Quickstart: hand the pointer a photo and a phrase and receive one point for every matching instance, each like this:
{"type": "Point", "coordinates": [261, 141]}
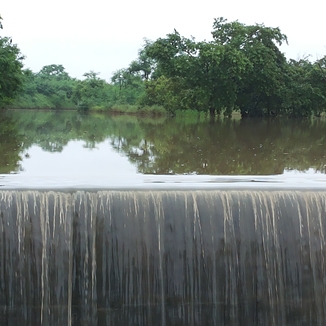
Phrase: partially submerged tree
{"type": "Point", "coordinates": [262, 79]}
{"type": "Point", "coordinates": [241, 68]}
{"type": "Point", "coordinates": [305, 92]}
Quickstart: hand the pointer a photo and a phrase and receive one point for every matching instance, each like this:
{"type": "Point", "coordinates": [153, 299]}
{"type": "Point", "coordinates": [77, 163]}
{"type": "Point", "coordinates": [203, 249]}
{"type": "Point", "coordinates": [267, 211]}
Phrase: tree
{"type": "Point", "coordinates": [241, 67]}
{"type": "Point", "coordinates": [259, 92]}
{"type": "Point", "coordinates": [168, 91]}
{"type": "Point", "coordinates": [209, 71]}
{"type": "Point", "coordinates": [305, 93]}
{"type": "Point", "coordinates": [51, 87]}
{"type": "Point", "coordinates": [143, 66]}
{"type": "Point", "coordinates": [55, 83]}
{"type": "Point", "coordinates": [128, 86]}
{"type": "Point", "coordinates": [11, 75]}
{"type": "Point", "coordinates": [90, 92]}
{"type": "Point", "coordinates": [318, 81]}
{"type": "Point", "coordinates": [57, 71]}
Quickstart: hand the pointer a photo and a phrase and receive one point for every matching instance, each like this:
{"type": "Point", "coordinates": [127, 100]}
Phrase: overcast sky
{"type": "Point", "coordinates": [105, 36]}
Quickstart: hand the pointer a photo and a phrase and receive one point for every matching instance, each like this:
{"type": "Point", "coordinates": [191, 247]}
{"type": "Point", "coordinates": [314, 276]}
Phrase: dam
{"type": "Point", "coordinates": [163, 256]}
{"type": "Point", "coordinates": [109, 220]}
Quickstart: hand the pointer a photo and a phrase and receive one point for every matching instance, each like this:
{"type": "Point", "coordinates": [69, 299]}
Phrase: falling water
{"type": "Point", "coordinates": [205, 257]}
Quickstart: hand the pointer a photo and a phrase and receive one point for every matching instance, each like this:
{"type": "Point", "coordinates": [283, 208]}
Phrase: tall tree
{"type": "Point", "coordinates": [242, 67]}
{"type": "Point", "coordinates": [57, 71]}
{"type": "Point", "coordinates": [305, 92]}
{"type": "Point", "coordinates": [11, 75]}
{"type": "Point", "coordinates": [208, 71]}
{"type": "Point", "coordinates": [143, 66]}
{"type": "Point", "coordinates": [263, 80]}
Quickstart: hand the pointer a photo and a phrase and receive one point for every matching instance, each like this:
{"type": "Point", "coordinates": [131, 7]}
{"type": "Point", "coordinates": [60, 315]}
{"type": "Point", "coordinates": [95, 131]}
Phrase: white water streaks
{"type": "Point", "coordinates": [140, 257]}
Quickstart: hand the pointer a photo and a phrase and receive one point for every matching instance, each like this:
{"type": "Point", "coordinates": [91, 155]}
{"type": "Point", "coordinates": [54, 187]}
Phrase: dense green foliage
{"type": "Point", "coordinates": [11, 76]}
{"type": "Point", "coordinates": [52, 87]}
{"type": "Point", "coordinates": [241, 69]}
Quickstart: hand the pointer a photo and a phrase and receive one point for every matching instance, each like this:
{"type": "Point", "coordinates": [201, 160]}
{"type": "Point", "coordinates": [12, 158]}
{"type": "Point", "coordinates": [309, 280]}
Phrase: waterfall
{"type": "Point", "coordinates": [156, 257]}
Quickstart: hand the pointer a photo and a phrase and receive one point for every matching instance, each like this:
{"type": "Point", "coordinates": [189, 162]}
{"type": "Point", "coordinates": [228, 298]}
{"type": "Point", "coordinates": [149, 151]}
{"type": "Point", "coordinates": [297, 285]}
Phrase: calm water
{"type": "Point", "coordinates": [61, 149]}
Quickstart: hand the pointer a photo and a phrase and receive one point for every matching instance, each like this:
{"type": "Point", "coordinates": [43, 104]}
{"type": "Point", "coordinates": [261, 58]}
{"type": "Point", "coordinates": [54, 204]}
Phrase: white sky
{"type": "Point", "coordinates": [105, 36]}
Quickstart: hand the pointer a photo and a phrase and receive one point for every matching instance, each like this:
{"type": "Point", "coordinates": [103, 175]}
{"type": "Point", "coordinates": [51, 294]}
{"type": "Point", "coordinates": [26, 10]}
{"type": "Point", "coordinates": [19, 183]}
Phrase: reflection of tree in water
{"type": "Point", "coordinates": [10, 145]}
{"type": "Point", "coordinates": [53, 130]}
{"type": "Point", "coordinates": [229, 147]}
{"type": "Point", "coordinates": [174, 146]}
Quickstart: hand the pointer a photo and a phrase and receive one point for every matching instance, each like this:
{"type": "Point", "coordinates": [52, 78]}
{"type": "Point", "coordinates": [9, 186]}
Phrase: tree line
{"type": "Point", "coordinates": [241, 69]}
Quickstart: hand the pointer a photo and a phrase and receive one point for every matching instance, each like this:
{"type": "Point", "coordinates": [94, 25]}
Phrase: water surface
{"type": "Point", "coordinates": [69, 149]}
